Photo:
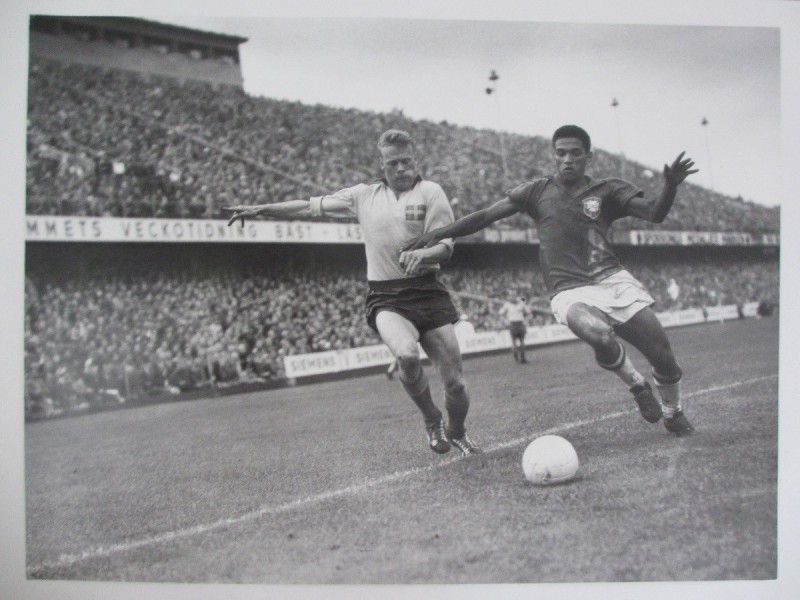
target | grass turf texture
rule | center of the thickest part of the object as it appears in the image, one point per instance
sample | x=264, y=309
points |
x=334, y=483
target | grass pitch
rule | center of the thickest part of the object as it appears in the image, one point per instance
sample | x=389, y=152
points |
x=334, y=483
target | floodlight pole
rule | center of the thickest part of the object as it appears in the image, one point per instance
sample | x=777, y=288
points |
x=492, y=89
x=614, y=105
x=704, y=123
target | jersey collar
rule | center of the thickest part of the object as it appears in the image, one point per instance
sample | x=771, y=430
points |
x=589, y=184
x=383, y=180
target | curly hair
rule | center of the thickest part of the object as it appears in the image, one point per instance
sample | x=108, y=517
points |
x=573, y=131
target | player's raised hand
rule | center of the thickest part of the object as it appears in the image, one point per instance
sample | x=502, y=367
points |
x=240, y=212
x=424, y=241
x=680, y=169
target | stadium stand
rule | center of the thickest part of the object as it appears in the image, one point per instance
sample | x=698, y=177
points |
x=105, y=142
x=141, y=327
x=127, y=121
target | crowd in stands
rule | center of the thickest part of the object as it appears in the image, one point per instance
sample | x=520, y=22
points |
x=105, y=142
x=136, y=331
x=109, y=143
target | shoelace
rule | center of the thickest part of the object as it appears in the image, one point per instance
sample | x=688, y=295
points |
x=439, y=429
x=463, y=443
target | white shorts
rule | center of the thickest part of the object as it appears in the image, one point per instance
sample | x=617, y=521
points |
x=619, y=296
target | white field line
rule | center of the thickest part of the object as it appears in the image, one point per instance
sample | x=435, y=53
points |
x=104, y=551
x=678, y=449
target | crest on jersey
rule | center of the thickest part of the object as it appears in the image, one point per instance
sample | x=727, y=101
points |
x=415, y=212
x=591, y=207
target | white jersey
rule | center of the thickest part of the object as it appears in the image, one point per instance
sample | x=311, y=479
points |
x=389, y=221
x=514, y=311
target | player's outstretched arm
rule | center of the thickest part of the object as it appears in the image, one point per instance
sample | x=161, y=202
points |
x=657, y=209
x=337, y=205
x=291, y=209
x=465, y=225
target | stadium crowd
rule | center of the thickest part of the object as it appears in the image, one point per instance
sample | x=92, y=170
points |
x=134, y=332
x=109, y=143
x=104, y=142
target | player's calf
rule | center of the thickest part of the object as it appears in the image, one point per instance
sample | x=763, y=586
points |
x=622, y=367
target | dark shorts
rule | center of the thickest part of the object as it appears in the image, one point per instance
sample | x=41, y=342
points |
x=421, y=300
x=517, y=329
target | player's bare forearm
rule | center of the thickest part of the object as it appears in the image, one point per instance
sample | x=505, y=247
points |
x=471, y=223
x=296, y=209
x=291, y=209
x=656, y=210
x=674, y=175
x=435, y=254
x=467, y=225
x=663, y=203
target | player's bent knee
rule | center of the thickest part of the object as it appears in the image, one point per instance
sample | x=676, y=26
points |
x=409, y=362
x=667, y=374
x=455, y=386
x=606, y=336
x=595, y=331
x=599, y=335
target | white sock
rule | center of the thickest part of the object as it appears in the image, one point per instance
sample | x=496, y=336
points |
x=628, y=373
x=670, y=396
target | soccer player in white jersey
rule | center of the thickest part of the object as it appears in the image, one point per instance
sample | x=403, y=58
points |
x=515, y=311
x=406, y=304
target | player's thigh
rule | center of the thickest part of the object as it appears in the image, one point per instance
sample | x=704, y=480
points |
x=441, y=346
x=397, y=332
x=645, y=333
x=587, y=322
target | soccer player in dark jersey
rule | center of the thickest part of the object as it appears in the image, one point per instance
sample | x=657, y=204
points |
x=406, y=304
x=590, y=290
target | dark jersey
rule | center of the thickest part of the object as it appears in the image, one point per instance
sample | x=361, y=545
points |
x=573, y=228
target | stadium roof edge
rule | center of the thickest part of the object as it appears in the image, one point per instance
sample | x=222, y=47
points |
x=139, y=25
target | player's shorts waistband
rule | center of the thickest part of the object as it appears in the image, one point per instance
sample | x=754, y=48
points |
x=405, y=282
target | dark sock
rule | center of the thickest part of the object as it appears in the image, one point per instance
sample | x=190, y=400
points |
x=420, y=393
x=457, y=406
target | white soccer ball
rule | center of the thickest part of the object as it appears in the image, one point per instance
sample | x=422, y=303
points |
x=549, y=459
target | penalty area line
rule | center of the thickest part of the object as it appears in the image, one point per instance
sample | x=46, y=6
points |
x=66, y=560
